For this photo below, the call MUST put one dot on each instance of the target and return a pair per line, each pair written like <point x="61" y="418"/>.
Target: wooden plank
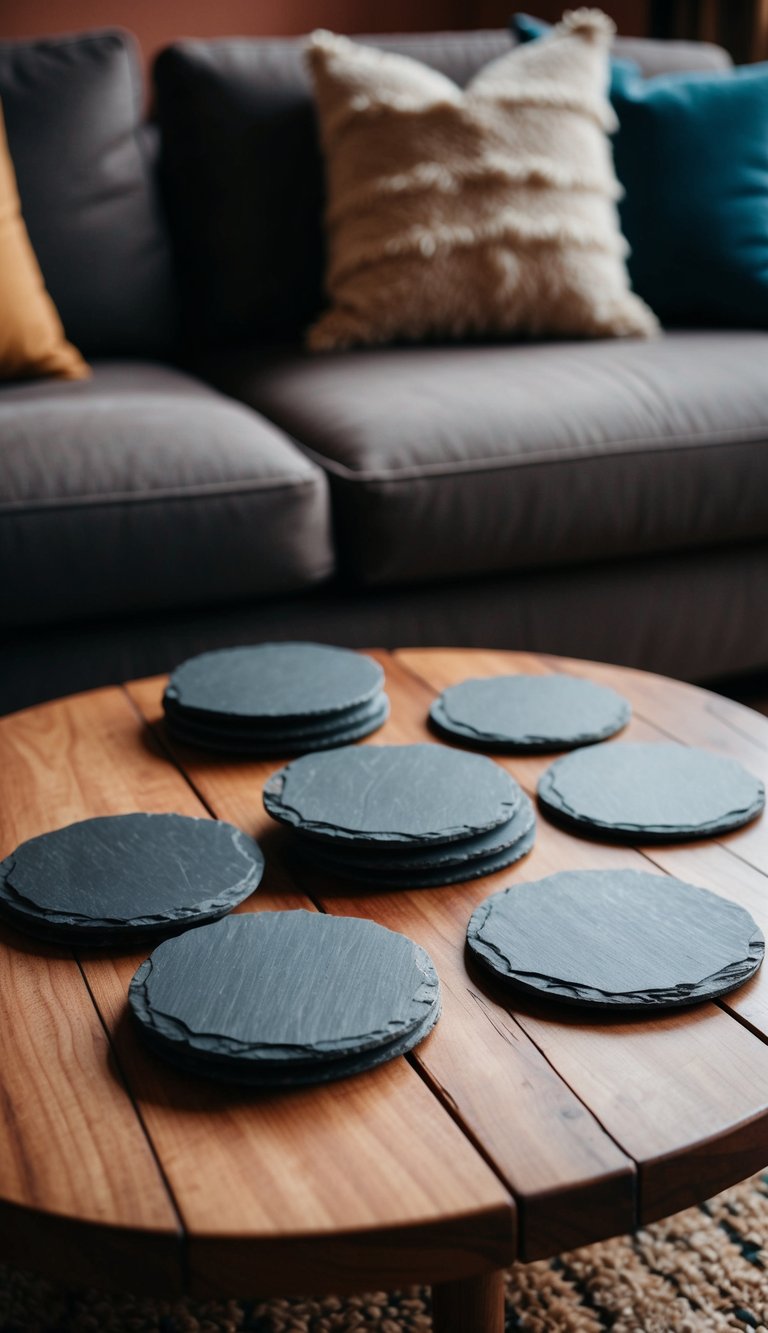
<point x="572" y="1182"/>
<point x="82" y="1196"/>
<point x="365" y="1181"/>
<point x="686" y="1096"/>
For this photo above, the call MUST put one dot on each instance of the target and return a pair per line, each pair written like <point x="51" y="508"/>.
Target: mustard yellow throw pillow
<point x="485" y="211"/>
<point x="32" y="340"/>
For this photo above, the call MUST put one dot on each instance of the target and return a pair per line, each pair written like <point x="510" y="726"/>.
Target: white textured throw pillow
<point x="485" y="211"/>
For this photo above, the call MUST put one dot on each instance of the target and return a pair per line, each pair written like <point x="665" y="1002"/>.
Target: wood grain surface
<point x="412" y="1172"/>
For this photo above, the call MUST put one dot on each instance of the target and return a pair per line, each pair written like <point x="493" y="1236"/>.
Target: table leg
<point x="475" y="1305"/>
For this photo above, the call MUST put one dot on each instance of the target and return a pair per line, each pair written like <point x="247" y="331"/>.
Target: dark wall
<point x="630" y="16"/>
<point x="157" y="22"/>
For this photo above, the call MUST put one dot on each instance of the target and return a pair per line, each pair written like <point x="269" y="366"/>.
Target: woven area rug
<point x="706" y="1268"/>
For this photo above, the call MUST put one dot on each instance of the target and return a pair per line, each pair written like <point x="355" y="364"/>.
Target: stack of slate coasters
<point x="275" y="699"/>
<point x="280" y="999"/>
<point x="658" y="792"/>
<point x="528" y="714"/>
<point x="618" y="940"/>
<point x="399" y="816"/>
<point x="113" y="880"/>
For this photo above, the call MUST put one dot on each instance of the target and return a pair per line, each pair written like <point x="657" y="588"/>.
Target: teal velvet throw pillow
<point x="692" y="155"/>
<point x="691" y="152"/>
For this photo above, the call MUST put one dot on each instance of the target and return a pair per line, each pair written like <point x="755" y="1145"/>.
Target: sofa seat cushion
<point x="143" y="488"/>
<point x="464" y="460"/>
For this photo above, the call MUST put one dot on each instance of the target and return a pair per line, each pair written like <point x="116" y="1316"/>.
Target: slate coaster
<point x="268" y="1077"/>
<point x="359" y="723"/>
<point x="421" y="879"/>
<point x="432" y="866"/>
<point x="124" y="876"/>
<point x="529" y="713"/>
<point x="448" y="855"/>
<point x="616" y="939"/>
<point x="264" y="731"/>
<point x="279" y="998"/>
<point x="403" y="795"/>
<point x="273" y="682"/>
<point x="652" y="792"/>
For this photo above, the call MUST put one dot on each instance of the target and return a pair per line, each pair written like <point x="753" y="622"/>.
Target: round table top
<point x="517" y="1130"/>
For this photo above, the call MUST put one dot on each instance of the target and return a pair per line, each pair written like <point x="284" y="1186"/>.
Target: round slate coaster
<point x="281" y="998"/>
<point x="271" y="1076"/>
<point x="402" y="795"/>
<point x="616" y="939"/>
<point x="103" y="880"/>
<point x="433" y="856"/>
<point x="529" y="713"/>
<point x="273" y="682"/>
<point x="265" y="731"/>
<point x="422" y="879"/>
<point x="655" y="792"/>
<point x="353" y="726"/>
<point x="445" y="863"/>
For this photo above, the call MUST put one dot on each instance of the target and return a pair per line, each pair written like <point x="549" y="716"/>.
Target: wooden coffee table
<point x="514" y="1131"/>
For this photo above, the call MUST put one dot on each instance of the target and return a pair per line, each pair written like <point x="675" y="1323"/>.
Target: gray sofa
<point x="213" y="483"/>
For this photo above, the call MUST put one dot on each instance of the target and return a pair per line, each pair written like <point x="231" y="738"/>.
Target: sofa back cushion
<point x="89" y="196"/>
<point x="243" y="172"/>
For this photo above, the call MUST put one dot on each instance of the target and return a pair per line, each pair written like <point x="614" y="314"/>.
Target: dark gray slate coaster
<point x="267" y="744"/>
<point x="529" y="713"/>
<point x="266" y="1076"/>
<point x="616" y="939"/>
<point x="448" y="855"/>
<point x="274" y="682"/>
<point x="265" y="731"/>
<point x="653" y="792"/>
<point x="102" y="880"/>
<point x="420" y="879"/>
<point x="282" y="994"/>
<point x="403" y="795"/>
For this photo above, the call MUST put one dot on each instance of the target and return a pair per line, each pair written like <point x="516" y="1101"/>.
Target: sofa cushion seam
<point x="500" y="463"/>
<point x="130" y="499"/>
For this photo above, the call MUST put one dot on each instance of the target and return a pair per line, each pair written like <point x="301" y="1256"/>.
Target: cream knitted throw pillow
<point x="485" y="211"/>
